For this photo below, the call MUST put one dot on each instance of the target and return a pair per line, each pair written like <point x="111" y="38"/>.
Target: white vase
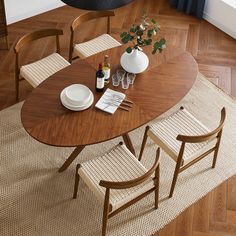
<point x="135" y="62"/>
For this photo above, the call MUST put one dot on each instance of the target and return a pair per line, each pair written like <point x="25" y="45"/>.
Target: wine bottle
<point x="106" y="69"/>
<point x="100" y="79"/>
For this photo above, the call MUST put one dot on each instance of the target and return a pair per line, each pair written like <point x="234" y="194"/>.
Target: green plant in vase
<point x="144" y="34"/>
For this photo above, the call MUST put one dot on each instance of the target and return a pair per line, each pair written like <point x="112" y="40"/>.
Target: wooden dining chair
<point x="37" y="72"/>
<point x="196" y="143"/>
<point x="119" y="180"/>
<point x="96" y="45"/>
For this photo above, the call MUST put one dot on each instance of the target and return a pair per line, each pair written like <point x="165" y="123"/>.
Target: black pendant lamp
<point x="96" y="4"/>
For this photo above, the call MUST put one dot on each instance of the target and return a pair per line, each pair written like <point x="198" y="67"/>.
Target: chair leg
<point x="77" y="178"/>
<point x="177" y="168"/>
<point x="105" y="212"/>
<point x="71" y="47"/>
<point x="7" y="42"/>
<point x="157" y="186"/>
<point x="145" y="136"/>
<point x="215" y="158"/>
<point x="70" y="59"/>
<point x="216" y="151"/>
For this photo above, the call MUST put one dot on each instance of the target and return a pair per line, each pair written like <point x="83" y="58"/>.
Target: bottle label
<point x="107" y="73"/>
<point x="100" y="83"/>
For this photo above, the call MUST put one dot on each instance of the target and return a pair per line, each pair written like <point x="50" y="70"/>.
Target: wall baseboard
<point x="34" y="12"/>
<point x="219" y="25"/>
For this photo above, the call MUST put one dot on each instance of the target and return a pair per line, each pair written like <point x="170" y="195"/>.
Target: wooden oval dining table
<point x="169" y="77"/>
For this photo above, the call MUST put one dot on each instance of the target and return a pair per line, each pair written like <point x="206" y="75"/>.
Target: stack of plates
<point x="77" y="97"/>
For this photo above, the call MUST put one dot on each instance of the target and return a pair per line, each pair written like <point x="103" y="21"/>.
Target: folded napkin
<point x="110" y="101"/>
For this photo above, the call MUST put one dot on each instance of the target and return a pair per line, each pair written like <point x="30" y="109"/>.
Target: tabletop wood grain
<point x="168" y="79"/>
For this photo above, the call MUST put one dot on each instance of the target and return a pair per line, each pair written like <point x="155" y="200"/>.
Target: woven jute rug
<point x="36" y="200"/>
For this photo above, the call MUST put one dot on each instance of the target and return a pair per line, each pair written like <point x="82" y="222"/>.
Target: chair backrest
<point x="37" y="35"/>
<point x="133" y="182"/>
<point x="34" y="36"/>
<point x="205" y="137"/>
<point x="91" y="16"/>
<point x="84" y="18"/>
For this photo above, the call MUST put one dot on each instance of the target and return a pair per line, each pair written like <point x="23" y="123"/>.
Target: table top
<point x="169" y="78"/>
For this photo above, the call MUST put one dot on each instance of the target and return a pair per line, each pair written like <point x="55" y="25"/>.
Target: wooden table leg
<point x="71" y="158"/>
<point x="128" y="143"/>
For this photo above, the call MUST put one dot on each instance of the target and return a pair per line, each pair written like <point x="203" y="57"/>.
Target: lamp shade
<point x="96" y="4"/>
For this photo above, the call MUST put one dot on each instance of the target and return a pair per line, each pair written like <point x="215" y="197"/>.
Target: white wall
<point x="17" y="10"/>
<point x="222" y="14"/>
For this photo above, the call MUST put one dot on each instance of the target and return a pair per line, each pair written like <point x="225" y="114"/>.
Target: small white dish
<point x="69" y="106"/>
<point x="78" y="94"/>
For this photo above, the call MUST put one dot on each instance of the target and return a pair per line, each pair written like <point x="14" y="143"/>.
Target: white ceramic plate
<point x="69" y="106"/>
<point x="78" y="94"/>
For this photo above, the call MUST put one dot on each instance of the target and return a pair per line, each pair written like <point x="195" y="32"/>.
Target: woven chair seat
<point x="96" y="45"/>
<point x="181" y="122"/>
<point x="35" y="73"/>
<point x="117" y="165"/>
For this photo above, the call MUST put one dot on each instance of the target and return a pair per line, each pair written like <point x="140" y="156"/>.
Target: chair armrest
<point x="195" y="139"/>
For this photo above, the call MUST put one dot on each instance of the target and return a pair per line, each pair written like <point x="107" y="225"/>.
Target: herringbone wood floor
<point x="215" y="52"/>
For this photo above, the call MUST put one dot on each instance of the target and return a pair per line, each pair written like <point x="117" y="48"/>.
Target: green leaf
<point x="139" y="32"/>
<point x="153" y="21"/>
<point x="123" y="34"/>
<point x="147" y="41"/>
<point x="156" y="45"/>
<point x="149" y="33"/>
<point x="162" y="41"/>
<point x="129" y="50"/>
<point x="127" y="38"/>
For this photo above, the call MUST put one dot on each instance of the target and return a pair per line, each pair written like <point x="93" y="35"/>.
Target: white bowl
<point x="77" y="94"/>
<point x="66" y="104"/>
